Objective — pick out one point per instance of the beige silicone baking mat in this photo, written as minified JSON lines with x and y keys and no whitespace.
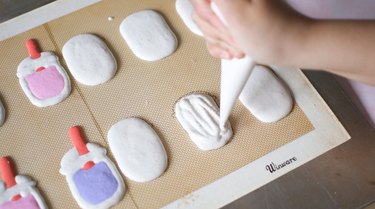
{"x":36,"y":138}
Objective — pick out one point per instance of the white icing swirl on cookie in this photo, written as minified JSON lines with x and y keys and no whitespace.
{"x":199,"y":116}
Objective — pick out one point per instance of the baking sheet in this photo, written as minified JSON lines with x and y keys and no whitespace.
{"x":36,"y":138}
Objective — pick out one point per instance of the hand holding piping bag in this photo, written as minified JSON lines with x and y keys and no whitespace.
{"x":273,"y":33}
{"x":234,"y":72}
{"x":220,"y":42}
{"x":265,"y":30}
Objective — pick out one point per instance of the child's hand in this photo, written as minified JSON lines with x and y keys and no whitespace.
{"x":272,"y":33}
{"x":219,"y":40}
{"x":267,"y":30}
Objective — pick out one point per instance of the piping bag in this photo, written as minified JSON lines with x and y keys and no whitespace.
{"x":234,"y":75}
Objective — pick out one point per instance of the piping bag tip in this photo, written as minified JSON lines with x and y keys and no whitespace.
{"x":234,"y":75}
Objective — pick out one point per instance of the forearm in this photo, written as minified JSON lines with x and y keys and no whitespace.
{"x":272,"y":33}
{"x":342,"y":47}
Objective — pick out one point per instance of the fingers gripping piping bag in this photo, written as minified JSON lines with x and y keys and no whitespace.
{"x":42,"y":78}
{"x":92,"y":178}
{"x":234,"y":74}
{"x":18,"y":192}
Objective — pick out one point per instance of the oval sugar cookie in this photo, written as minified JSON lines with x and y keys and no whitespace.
{"x":148,"y":35}
{"x":137,"y":149}
{"x":2,"y":113}
{"x":265,"y":96}
{"x":89,"y":59}
{"x":198,"y":114}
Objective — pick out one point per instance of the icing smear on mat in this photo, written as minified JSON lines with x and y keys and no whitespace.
{"x":2,"y":113}
{"x":199,"y":116}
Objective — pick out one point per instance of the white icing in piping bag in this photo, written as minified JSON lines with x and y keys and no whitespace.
{"x":234,"y":74}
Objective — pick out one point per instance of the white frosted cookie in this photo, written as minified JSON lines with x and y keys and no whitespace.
{"x":42,"y":78}
{"x":198,"y":114}
{"x":137,"y":149}
{"x":18,"y":192}
{"x":99,"y":187}
{"x":185,"y":9}
{"x":89,"y":59}
{"x":148,"y":35}
{"x":265,"y":96}
{"x":92,"y":178}
{"x":2,"y":113}
{"x":30,"y":195}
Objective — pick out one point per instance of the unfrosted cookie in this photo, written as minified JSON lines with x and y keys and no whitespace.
{"x":198,"y":114}
{"x":148,"y":35}
{"x":92,"y":177}
{"x":18,"y":192}
{"x":42,"y":78}
{"x":137,"y":149}
{"x":89,"y":59}
{"x":2,"y":113}
{"x":265,"y":96}
{"x":185,"y":9}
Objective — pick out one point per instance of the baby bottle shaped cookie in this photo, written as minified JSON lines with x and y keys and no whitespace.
{"x":42,"y":78}
{"x":92,"y":178}
{"x":18,"y":192}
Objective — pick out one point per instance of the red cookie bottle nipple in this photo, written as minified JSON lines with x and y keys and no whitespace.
{"x":7,"y":175}
{"x":10,"y":197}
{"x":34,"y":52}
{"x":80,"y":144}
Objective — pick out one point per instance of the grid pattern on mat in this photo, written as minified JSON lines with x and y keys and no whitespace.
{"x":36,"y":138}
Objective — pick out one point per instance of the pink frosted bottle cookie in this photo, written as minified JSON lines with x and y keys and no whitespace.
{"x":18,"y":192}
{"x":42,"y":78}
{"x":92,"y":178}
